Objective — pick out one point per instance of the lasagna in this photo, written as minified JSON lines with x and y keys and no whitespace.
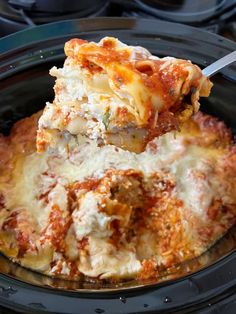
{"x":120,"y":95}
{"x":108,"y":213}
{"x":100,"y":185}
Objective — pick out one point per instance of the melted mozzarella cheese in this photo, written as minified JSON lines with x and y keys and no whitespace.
{"x":106,"y":261}
{"x":88,"y":220}
{"x":40,"y":181}
{"x":23,"y":190}
{"x":193,"y":177}
{"x":190,"y":166}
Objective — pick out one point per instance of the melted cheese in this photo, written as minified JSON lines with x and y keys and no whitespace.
{"x":26,"y":173}
{"x":95,"y":225}
{"x":194,"y":175}
{"x":185,"y":164}
{"x":107,"y":262}
{"x":88,"y":220}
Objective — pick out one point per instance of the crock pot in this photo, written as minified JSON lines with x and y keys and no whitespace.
{"x":205,"y":283}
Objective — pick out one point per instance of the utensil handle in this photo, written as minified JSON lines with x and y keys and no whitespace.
{"x":219,"y":64}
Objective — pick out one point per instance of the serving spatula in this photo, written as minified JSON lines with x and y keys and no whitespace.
{"x":219,"y":64}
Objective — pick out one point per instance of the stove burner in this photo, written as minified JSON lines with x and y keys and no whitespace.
{"x":183,"y":7}
{"x":16,"y":15}
{"x":181,"y":11}
{"x":55,"y":6}
{"x":217,"y":16}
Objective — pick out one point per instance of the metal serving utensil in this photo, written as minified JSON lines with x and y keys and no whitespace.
{"x":219,"y":64}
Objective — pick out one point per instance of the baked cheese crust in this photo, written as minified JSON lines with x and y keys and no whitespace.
{"x":103,"y":212}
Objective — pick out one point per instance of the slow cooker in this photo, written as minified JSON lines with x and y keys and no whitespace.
{"x":204,"y":285}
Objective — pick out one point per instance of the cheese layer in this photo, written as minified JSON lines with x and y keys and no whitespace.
{"x":104,"y":212}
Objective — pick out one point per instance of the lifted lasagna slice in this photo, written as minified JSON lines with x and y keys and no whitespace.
{"x":120,"y":95}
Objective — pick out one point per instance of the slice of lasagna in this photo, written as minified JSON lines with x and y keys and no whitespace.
{"x":119,"y":94}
